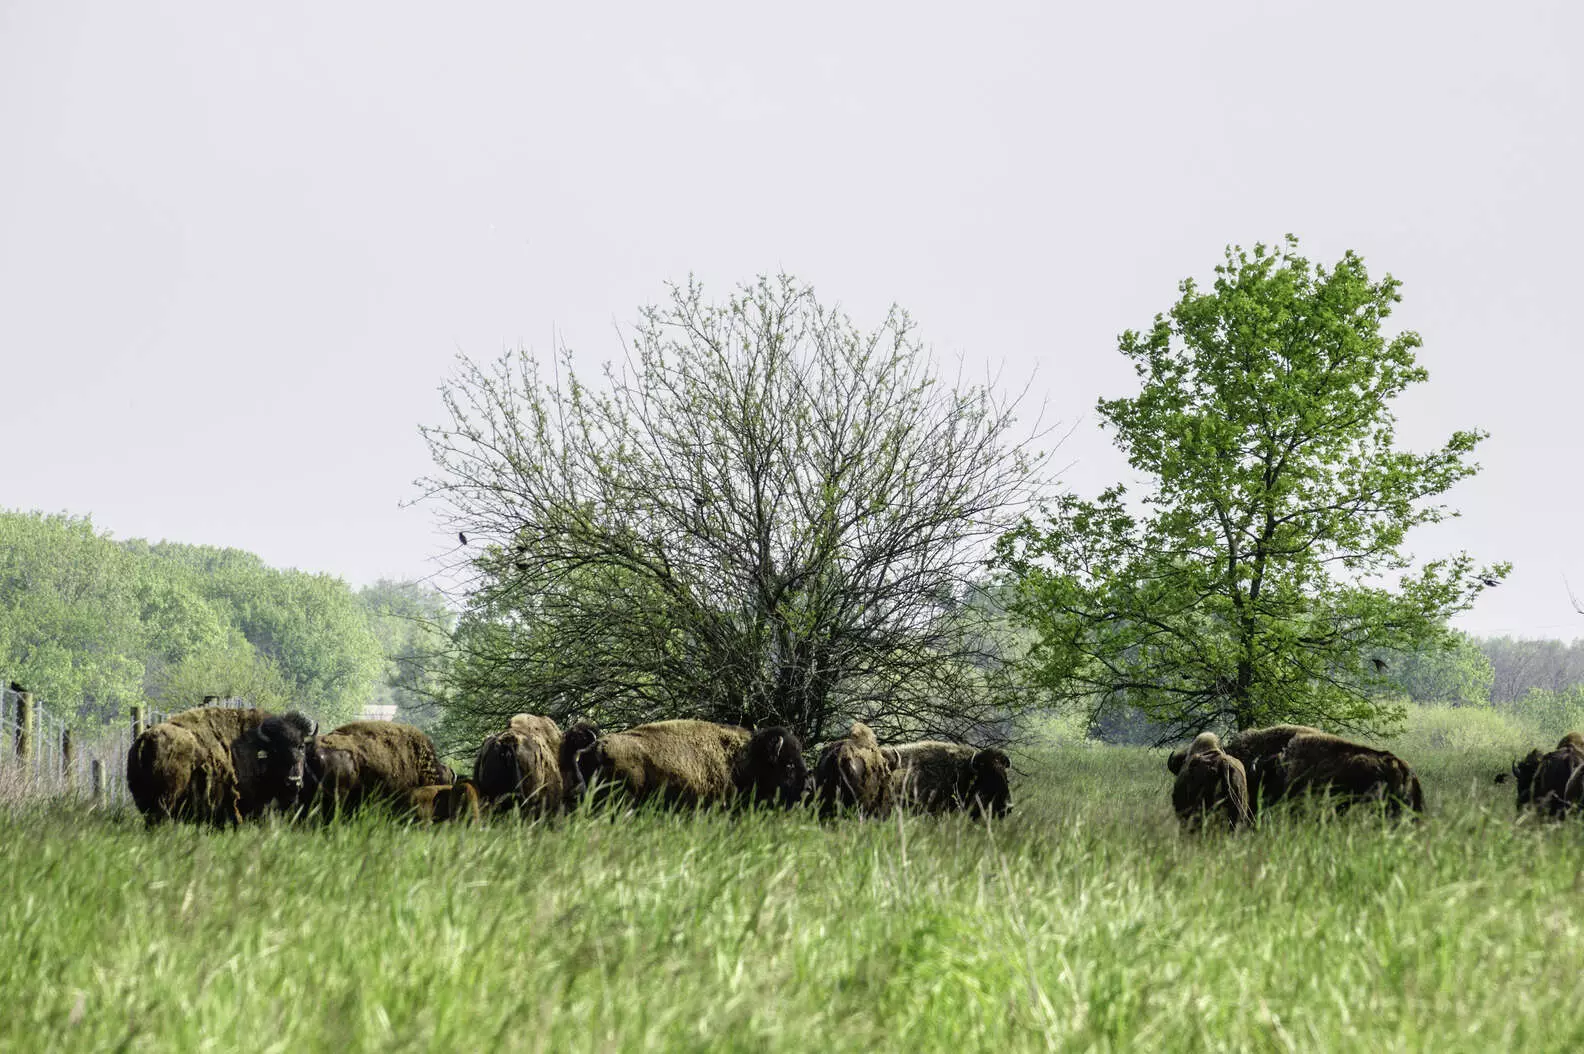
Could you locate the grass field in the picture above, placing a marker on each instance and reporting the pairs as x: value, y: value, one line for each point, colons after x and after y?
x: 1082, y: 922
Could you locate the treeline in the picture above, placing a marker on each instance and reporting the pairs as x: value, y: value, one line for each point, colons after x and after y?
x: 92, y: 625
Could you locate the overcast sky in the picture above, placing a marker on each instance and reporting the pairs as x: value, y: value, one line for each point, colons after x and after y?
x: 240, y: 245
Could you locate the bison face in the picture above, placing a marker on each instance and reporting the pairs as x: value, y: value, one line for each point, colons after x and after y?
x: 1524, y: 772
x: 272, y: 759
x: 774, y: 773
x: 991, y: 791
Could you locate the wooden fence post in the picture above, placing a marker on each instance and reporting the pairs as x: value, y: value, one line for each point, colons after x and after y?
x: 139, y: 717
x: 68, y: 759
x: 24, y: 727
x: 96, y: 780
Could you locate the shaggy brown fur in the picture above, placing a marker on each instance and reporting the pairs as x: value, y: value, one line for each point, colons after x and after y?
x: 853, y: 773
x: 1553, y: 783
x: 686, y: 763
x: 1317, y: 763
x: 182, y: 768
x: 1259, y: 752
x: 1210, y: 781
x: 440, y: 802
x: 520, y: 767
x: 373, y: 760
x: 934, y: 777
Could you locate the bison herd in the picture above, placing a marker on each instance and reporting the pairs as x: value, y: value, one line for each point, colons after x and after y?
x: 224, y: 766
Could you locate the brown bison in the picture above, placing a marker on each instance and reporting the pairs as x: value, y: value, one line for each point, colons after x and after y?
x: 934, y: 777
x: 520, y: 767
x: 1210, y: 781
x: 1318, y: 763
x: 202, y: 765
x: 1259, y: 751
x: 369, y: 761
x: 1552, y: 783
x: 686, y: 763
x: 440, y: 802
x: 854, y: 773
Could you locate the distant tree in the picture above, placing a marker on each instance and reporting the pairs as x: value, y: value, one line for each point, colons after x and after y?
x: 766, y: 515
x: 412, y: 623
x: 1249, y: 585
x: 1453, y: 670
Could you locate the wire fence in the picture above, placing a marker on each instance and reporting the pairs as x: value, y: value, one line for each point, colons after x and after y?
x: 44, y: 754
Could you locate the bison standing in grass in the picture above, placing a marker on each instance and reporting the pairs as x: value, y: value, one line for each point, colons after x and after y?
x: 935, y: 777
x: 520, y: 767
x: 203, y: 765
x: 854, y: 773
x: 440, y: 802
x: 1317, y: 763
x: 686, y: 763
x: 1552, y: 783
x: 1210, y: 781
x: 372, y: 761
x: 1259, y: 751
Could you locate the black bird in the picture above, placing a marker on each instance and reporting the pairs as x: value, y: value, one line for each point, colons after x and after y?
x: 461, y: 537
x: 1380, y: 664
x: 1491, y: 582
x: 17, y: 688
x: 521, y: 565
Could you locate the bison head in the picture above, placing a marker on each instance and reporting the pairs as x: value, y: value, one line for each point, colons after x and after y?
x: 1524, y: 772
x: 990, y: 790
x: 578, y: 758
x: 772, y: 770
x: 271, y: 761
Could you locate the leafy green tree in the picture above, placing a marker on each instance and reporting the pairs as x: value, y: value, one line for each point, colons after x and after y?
x: 413, y: 624
x: 1454, y: 670
x: 1251, y: 583
x: 767, y: 515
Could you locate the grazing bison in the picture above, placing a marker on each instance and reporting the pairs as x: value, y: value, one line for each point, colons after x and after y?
x: 371, y: 761
x: 1210, y: 781
x: 1552, y: 783
x: 520, y: 767
x: 853, y: 773
x: 187, y: 767
x: 1318, y: 763
x: 1259, y: 751
x: 440, y: 802
x: 686, y: 763
x: 934, y: 777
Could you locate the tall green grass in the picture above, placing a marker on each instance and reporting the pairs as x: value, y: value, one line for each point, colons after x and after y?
x: 1082, y: 922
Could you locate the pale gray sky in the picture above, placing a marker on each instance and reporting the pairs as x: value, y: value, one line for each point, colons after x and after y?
x: 240, y: 244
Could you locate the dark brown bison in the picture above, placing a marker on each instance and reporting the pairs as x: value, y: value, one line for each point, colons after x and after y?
x: 1258, y: 750
x: 520, y: 767
x: 853, y: 773
x: 440, y: 802
x: 1552, y: 783
x: 202, y: 765
x: 686, y: 763
x: 1318, y: 763
x: 368, y: 761
x: 1209, y: 782
x: 934, y: 777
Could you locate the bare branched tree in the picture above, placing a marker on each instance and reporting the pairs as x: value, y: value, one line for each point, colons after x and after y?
x: 764, y: 515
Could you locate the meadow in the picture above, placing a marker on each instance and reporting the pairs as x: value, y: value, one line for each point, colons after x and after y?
x: 1083, y: 921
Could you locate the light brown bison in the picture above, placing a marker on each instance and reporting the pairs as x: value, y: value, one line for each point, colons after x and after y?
x: 1259, y: 751
x: 202, y: 765
x: 440, y: 802
x: 686, y: 763
x: 520, y: 767
x: 931, y: 776
x: 1552, y: 783
x: 854, y: 773
x: 1318, y: 763
x: 1209, y: 782
x: 369, y: 761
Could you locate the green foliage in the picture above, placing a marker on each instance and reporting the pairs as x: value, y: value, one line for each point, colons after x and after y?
x: 1452, y: 670
x: 412, y: 624
x: 1250, y: 584
x: 92, y: 624
x: 1084, y: 922
x: 767, y: 515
